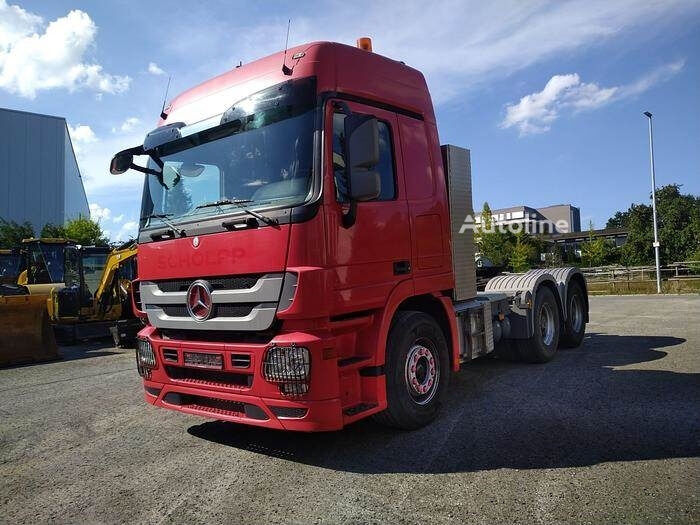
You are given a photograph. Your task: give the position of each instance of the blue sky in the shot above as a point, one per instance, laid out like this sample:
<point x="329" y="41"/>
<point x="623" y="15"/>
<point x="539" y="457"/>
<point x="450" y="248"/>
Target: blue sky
<point x="548" y="95"/>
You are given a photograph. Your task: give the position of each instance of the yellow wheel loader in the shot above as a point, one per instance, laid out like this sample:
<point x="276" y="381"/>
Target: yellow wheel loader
<point x="11" y="265"/>
<point x="83" y="291"/>
<point x="26" y="335"/>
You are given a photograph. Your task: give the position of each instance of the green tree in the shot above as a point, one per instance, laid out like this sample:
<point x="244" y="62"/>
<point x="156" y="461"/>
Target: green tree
<point x="51" y="230"/>
<point x="619" y="220"/>
<point x="85" y="231"/>
<point x="695" y="257"/>
<point x="554" y="256"/>
<point x="679" y="227"/>
<point x="523" y="253"/>
<point x="494" y="243"/>
<point x="596" y="251"/>
<point x="12" y="233"/>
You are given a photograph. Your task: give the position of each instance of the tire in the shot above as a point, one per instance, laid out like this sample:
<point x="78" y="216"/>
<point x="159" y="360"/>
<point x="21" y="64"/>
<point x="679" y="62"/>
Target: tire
<point x="542" y="346"/>
<point x="575" y="323"/>
<point x="417" y="371"/>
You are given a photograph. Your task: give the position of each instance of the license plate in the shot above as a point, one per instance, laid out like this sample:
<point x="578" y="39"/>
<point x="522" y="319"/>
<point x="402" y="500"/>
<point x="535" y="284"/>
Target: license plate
<point x="202" y="360"/>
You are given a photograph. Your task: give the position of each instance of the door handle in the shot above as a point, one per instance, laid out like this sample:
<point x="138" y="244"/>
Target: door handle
<point x="402" y="267"/>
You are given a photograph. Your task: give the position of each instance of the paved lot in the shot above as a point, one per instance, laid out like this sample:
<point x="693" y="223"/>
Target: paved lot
<point x="609" y="432"/>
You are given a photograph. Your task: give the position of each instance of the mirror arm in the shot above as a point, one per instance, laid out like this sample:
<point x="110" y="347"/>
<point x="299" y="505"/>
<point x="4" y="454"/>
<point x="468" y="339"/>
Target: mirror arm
<point x="157" y="160"/>
<point x="348" y="218"/>
<point x="147" y="171"/>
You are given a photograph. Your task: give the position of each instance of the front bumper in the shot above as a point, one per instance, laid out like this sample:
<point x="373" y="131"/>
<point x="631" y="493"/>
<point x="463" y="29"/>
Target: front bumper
<point x="240" y="393"/>
<point x="317" y="415"/>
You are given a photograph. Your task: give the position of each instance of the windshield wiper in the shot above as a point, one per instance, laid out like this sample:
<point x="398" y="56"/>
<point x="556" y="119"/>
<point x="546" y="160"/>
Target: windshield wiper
<point x="164" y="217"/>
<point x="240" y="204"/>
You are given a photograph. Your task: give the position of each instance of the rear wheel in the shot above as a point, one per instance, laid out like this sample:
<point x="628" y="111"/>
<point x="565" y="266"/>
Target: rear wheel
<point x="575" y="324"/>
<point x="417" y="371"/>
<point x="542" y="346"/>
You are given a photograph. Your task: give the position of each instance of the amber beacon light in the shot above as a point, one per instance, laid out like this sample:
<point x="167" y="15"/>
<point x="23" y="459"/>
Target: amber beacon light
<point x="365" y="43"/>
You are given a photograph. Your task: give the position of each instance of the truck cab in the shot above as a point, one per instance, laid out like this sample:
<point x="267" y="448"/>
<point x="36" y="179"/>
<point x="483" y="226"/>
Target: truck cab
<point x="296" y="260"/>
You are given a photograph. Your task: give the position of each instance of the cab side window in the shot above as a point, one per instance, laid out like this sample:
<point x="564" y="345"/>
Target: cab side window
<point x="385" y="168"/>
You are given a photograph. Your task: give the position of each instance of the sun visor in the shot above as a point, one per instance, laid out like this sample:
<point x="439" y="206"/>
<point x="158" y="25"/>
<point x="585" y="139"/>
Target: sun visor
<point x="161" y="135"/>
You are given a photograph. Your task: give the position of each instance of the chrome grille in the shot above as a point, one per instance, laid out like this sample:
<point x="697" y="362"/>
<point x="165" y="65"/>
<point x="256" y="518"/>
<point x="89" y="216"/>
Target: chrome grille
<point x="240" y="303"/>
<point x="221" y="310"/>
<point x="238" y="282"/>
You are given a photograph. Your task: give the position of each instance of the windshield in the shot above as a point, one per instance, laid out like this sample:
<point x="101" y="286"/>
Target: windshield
<point x="261" y="155"/>
<point x="93" y="266"/>
<point x="45" y="263"/>
<point x="9" y="265"/>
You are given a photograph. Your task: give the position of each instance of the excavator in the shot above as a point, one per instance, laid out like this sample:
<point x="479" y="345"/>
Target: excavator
<point x="82" y="290"/>
<point x="95" y="300"/>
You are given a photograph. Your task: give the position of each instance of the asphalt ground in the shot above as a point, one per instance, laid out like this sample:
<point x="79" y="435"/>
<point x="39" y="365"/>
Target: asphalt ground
<point x="606" y="433"/>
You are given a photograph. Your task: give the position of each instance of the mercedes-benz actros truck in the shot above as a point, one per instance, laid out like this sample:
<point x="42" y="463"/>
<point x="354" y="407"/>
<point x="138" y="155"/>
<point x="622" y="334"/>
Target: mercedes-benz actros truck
<point x="303" y="257"/>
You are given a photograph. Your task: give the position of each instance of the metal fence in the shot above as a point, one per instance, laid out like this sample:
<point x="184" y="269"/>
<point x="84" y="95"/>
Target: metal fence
<point x="678" y="277"/>
<point x="676" y="270"/>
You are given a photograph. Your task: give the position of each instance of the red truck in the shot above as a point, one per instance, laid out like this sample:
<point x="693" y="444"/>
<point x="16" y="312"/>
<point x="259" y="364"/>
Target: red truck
<point x="303" y="259"/>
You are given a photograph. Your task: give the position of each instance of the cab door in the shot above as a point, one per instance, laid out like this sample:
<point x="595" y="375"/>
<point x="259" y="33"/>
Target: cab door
<point x="370" y="257"/>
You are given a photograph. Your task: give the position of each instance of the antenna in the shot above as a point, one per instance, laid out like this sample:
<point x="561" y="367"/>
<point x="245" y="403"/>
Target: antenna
<point x="163" y="114"/>
<point x="286" y="70"/>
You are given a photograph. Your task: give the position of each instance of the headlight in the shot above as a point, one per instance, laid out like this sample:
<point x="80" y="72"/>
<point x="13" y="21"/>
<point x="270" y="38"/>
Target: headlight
<point x="289" y="365"/>
<point x="145" y="358"/>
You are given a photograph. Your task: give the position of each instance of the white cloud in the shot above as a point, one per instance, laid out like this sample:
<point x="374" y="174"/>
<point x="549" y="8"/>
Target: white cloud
<point x="153" y="69"/>
<point x="456" y="44"/>
<point x="15" y="24"/>
<point x="128" y="125"/>
<point x="127" y="231"/>
<point x="536" y="112"/>
<point x="98" y="213"/>
<point x="94" y="167"/>
<point x="81" y="135"/>
<point x="111" y="224"/>
<point x="34" y="58"/>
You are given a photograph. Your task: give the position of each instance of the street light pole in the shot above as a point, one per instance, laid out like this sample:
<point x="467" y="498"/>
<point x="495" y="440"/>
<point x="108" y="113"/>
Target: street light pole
<point x="653" y="203"/>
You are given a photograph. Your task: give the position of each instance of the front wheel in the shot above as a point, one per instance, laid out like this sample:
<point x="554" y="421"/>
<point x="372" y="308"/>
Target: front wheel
<point x="542" y="346"/>
<point x="417" y="371"/>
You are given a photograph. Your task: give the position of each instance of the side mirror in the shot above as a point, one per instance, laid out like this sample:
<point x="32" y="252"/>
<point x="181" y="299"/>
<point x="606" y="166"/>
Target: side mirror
<point x="121" y="162"/>
<point x="365" y="185"/>
<point x="361" y="141"/>
<point x="362" y="154"/>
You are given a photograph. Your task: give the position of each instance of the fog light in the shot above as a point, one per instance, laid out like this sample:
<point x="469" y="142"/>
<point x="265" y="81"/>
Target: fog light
<point x="145" y="358"/>
<point x="290" y="366"/>
<point x="284" y="364"/>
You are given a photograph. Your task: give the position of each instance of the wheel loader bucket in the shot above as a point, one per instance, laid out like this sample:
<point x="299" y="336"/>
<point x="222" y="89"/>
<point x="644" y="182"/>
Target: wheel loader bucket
<point x="26" y="335"/>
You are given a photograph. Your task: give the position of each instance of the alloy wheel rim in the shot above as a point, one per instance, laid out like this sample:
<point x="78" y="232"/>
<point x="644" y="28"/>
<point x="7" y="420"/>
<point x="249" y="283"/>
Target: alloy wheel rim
<point x="422" y="372"/>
